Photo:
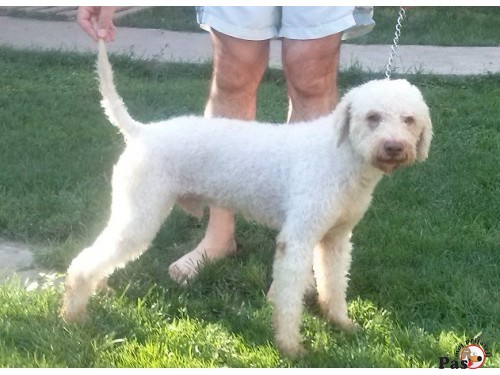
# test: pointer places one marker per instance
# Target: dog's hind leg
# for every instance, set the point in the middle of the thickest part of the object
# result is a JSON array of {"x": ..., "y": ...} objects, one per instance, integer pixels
[
  {"x": 332, "y": 260},
  {"x": 135, "y": 219}
]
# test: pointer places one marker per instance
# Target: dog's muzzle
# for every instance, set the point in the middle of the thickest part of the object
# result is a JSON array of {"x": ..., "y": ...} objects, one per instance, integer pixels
[{"x": 391, "y": 155}]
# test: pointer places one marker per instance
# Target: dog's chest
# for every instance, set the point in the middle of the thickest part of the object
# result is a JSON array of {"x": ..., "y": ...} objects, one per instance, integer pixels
[{"x": 350, "y": 205}]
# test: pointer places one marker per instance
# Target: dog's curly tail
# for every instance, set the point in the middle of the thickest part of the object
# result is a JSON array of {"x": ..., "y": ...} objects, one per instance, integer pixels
[{"x": 112, "y": 103}]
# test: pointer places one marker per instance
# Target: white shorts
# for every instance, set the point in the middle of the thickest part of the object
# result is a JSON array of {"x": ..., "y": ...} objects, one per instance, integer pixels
[{"x": 292, "y": 22}]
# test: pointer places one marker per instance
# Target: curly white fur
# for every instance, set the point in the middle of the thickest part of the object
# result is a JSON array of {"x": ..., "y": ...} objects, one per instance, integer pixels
[{"x": 311, "y": 181}]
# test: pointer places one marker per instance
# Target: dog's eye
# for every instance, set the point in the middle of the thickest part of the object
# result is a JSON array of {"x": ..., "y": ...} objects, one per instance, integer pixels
[
  {"x": 374, "y": 117},
  {"x": 409, "y": 120}
]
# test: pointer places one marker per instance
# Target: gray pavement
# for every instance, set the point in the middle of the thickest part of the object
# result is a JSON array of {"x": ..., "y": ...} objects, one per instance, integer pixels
[
  {"x": 18, "y": 257},
  {"x": 17, "y": 264},
  {"x": 165, "y": 45}
]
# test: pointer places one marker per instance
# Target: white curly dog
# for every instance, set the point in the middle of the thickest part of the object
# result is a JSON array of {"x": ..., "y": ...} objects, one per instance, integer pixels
[{"x": 311, "y": 181}]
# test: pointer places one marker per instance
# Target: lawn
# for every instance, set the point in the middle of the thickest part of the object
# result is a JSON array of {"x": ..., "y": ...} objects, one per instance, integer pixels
[
  {"x": 442, "y": 26},
  {"x": 424, "y": 276}
]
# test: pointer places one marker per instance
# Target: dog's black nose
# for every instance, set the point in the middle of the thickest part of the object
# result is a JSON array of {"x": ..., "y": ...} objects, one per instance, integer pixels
[{"x": 393, "y": 148}]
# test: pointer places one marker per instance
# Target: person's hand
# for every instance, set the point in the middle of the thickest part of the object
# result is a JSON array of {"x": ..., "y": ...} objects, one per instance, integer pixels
[{"x": 97, "y": 22}]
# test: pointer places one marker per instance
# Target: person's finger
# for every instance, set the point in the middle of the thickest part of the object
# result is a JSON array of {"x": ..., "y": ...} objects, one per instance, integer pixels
[
  {"x": 102, "y": 34},
  {"x": 107, "y": 34},
  {"x": 106, "y": 28},
  {"x": 84, "y": 19}
]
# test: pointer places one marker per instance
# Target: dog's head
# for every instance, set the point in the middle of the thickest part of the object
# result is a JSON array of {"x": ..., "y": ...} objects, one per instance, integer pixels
[{"x": 387, "y": 123}]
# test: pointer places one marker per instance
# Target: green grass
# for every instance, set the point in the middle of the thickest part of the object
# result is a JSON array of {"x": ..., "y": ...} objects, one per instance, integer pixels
[
  {"x": 424, "y": 276},
  {"x": 22, "y": 13},
  {"x": 178, "y": 18},
  {"x": 442, "y": 26}
]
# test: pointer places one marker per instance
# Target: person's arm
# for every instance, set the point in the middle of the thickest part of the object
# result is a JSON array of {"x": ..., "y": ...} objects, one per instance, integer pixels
[{"x": 97, "y": 22}]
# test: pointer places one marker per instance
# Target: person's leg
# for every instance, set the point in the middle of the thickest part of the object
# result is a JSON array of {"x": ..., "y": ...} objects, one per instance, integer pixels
[
  {"x": 238, "y": 67},
  {"x": 310, "y": 68}
]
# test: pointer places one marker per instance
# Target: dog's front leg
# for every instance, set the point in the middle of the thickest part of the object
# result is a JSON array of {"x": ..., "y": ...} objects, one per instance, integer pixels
[
  {"x": 292, "y": 265},
  {"x": 332, "y": 260}
]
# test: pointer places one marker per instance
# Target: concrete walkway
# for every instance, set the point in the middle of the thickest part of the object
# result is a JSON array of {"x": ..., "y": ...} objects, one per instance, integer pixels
[
  {"x": 16, "y": 260},
  {"x": 195, "y": 47}
]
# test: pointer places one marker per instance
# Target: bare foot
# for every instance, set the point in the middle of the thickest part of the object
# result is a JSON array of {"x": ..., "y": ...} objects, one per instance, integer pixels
[
  {"x": 188, "y": 266},
  {"x": 217, "y": 243}
]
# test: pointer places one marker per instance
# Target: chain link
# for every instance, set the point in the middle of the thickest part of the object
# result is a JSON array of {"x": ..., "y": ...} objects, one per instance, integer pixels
[{"x": 390, "y": 63}]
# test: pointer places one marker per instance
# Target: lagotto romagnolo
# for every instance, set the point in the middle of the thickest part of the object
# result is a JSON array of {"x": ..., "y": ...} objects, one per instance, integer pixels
[{"x": 311, "y": 181}]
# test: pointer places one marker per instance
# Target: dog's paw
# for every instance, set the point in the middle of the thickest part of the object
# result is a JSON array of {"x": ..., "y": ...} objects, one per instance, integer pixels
[
  {"x": 73, "y": 311},
  {"x": 74, "y": 316},
  {"x": 347, "y": 325},
  {"x": 104, "y": 288},
  {"x": 292, "y": 350}
]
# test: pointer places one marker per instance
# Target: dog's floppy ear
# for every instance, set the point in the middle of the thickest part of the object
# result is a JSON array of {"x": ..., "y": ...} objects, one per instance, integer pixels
[
  {"x": 424, "y": 143},
  {"x": 341, "y": 120}
]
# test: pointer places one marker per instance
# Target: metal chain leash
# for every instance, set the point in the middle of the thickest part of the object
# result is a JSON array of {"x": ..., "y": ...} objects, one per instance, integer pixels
[{"x": 390, "y": 63}]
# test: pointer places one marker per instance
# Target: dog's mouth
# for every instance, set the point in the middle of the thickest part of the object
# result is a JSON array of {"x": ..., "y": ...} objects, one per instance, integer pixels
[
  {"x": 388, "y": 165},
  {"x": 392, "y": 154}
]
